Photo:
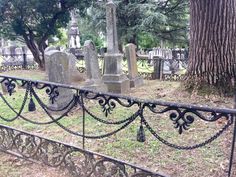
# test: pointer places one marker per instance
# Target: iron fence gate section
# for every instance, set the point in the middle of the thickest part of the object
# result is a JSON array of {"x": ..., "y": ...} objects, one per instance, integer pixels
[{"x": 53, "y": 153}]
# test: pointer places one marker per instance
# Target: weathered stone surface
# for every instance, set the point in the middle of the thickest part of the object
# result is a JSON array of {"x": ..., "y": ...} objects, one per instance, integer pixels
[
  {"x": 47, "y": 56},
  {"x": 51, "y": 48},
  {"x": 73, "y": 31},
  {"x": 135, "y": 79},
  {"x": 113, "y": 77},
  {"x": 58, "y": 66},
  {"x": 94, "y": 80},
  {"x": 4, "y": 87},
  {"x": 75, "y": 74},
  {"x": 111, "y": 21}
]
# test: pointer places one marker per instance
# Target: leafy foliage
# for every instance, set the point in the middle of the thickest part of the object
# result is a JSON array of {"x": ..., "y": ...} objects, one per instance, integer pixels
[
  {"x": 35, "y": 21},
  {"x": 160, "y": 19},
  {"x": 88, "y": 32}
]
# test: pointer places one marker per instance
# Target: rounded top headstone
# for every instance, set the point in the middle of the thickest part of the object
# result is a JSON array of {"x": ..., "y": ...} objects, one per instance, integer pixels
[
  {"x": 111, "y": 3},
  {"x": 90, "y": 44},
  {"x": 51, "y": 48}
]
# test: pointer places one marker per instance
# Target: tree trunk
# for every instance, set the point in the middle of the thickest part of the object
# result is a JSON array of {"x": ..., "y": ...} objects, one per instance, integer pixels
[
  {"x": 212, "y": 44},
  {"x": 36, "y": 52},
  {"x": 133, "y": 39},
  {"x": 42, "y": 46}
]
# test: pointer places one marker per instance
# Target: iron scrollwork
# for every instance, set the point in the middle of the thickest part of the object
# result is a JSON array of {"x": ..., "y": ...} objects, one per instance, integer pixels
[
  {"x": 29, "y": 146},
  {"x": 77, "y": 161}
]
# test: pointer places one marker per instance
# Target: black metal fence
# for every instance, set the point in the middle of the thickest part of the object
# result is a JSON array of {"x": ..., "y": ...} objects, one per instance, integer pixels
[
  {"x": 149, "y": 69},
  {"x": 10, "y": 62},
  {"x": 88, "y": 163}
]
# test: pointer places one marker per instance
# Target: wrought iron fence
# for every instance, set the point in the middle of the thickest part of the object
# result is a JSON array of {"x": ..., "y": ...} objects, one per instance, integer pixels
[
  {"x": 10, "y": 62},
  {"x": 55, "y": 154},
  {"x": 150, "y": 69}
]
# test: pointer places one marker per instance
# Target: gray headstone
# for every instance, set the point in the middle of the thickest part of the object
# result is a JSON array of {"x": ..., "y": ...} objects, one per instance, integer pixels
[
  {"x": 135, "y": 80},
  {"x": 75, "y": 74},
  {"x": 113, "y": 77},
  {"x": 94, "y": 80},
  {"x": 48, "y": 51},
  {"x": 4, "y": 87},
  {"x": 51, "y": 48},
  {"x": 112, "y": 40},
  {"x": 59, "y": 71}
]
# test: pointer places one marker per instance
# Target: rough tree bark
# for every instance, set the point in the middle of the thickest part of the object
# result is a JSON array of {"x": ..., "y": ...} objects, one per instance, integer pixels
[
  {"x": 37, "y": 49},
  {"x": 212, "y": 44}
]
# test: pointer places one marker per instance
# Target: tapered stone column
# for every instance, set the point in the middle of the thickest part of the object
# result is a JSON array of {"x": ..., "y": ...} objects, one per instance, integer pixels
[
  {"x": 114, "y": 78},
  {"x": 93, "y": 80},
  {"x": 135, "y": 79}
]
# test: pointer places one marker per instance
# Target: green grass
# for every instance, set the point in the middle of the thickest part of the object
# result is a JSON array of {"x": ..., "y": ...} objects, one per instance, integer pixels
[{"x": 152, "y": 154}]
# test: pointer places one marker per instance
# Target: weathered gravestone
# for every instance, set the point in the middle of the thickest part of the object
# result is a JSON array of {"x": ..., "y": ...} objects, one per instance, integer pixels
[
  {"x": 4, "y": 87},
  {"x": 94, "y": 80},
  {"x": 75, "y": 74},
  {"x": 58, "y": 68},
  {"x": 113, "y": 76},
  {"x": 135, "y": 79}
]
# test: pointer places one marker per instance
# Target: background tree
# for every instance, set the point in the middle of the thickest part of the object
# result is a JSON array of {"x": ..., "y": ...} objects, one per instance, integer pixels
[
  {"x": 89, "y": 32},
  {"x": 35, "y": 21},
  {"x": 144, "y": 19},
  {"x": 212, "y": 44}
]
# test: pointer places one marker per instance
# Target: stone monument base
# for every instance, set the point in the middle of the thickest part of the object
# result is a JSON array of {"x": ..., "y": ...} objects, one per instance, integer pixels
[
  {"x": 96, "y": 86},
  {"x": 136, "y": 82},
  {"x": 116, "y": 83}
]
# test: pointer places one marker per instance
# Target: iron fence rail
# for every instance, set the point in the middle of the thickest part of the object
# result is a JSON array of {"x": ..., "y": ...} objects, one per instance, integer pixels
[
  {"x": 183, "y": 116},
  {"x": 10, "y": 62},
  {"x": 57, "y": 154},
  {"x": 150, "y": 69}
]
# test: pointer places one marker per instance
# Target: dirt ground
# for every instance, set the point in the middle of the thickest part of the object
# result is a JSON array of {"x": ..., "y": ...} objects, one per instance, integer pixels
[{"x": 15, "y": 167}]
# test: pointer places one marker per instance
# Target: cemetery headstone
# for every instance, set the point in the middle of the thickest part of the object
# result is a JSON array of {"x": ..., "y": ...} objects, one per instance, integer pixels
[
  {"x": 4, "y": 87},
  {"x": 94, "y": 80},
  {"x": 135, "y": 79},
  {"x": 75, "y": 74},
  {"x": 59, "y": 71},
  {"x": 113, "y": 76},
  {"x": 47, "y": 56}
]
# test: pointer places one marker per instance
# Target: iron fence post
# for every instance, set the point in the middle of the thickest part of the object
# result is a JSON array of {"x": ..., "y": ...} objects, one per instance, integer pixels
[
  {"x": 157, "y": 68},
  {"x": 161, "y": 68},
  {"x": 24, "y": 61},
  {"x": 231, "y": 162},
  {"x": 83, "y": 110}
]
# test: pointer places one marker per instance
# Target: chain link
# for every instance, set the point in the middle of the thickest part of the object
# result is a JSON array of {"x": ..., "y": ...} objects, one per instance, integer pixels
[{"x": 211, "y": 139}]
